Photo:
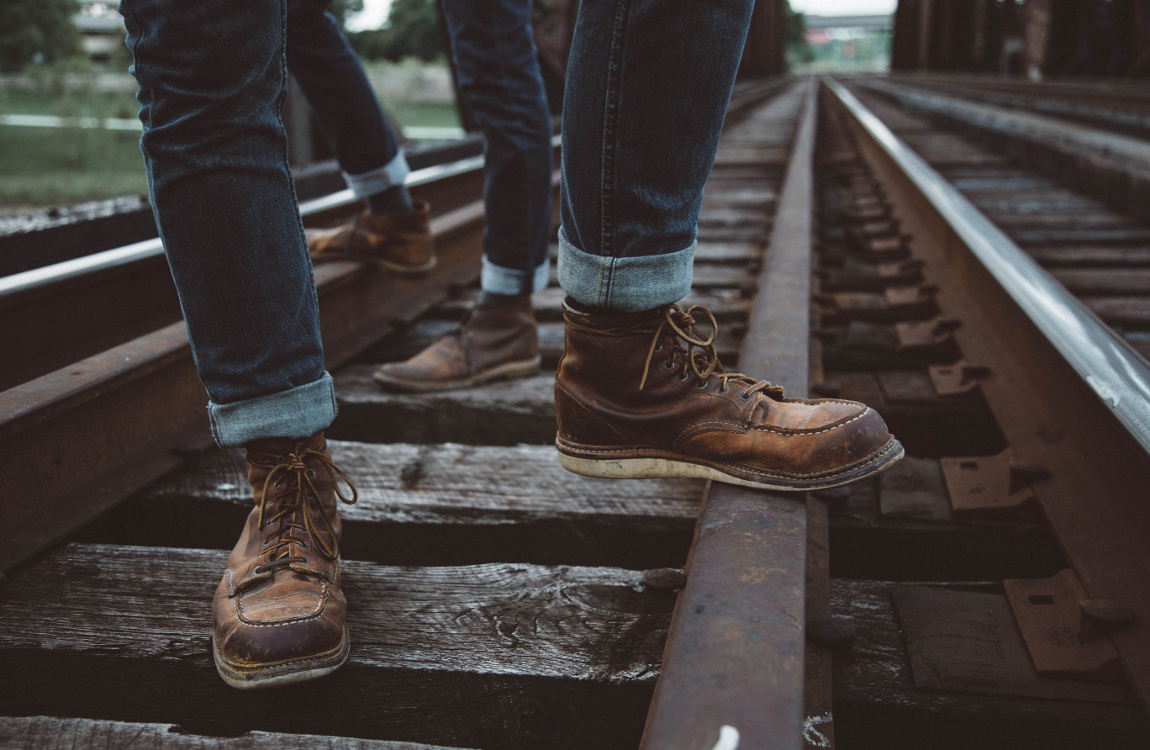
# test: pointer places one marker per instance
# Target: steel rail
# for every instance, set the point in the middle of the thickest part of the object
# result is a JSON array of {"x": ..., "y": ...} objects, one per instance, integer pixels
[
  {"x": 58, "y": 314},
  {"x": 732, "y": 672},
  {"x": 22, "y": 283},
  {"x": 1065, "y": 389},
  {"x": 1115, "y": 167},
  {"x": 1119, "y": 375},
  {"x": 82, "y": 438},
  {"x": 1023, "y": 124},
  {"x": 1129, "y": 113},
  {"x": 1103, "y": 91}
]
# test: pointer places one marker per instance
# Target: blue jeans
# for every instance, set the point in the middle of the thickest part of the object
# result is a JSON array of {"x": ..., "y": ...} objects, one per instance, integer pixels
[
  {"x": 342, "y": 100},
  {"x": 648, "y": 85},
  {"x": 499, "y": 78},
  {"x": 213, "y": 78}
]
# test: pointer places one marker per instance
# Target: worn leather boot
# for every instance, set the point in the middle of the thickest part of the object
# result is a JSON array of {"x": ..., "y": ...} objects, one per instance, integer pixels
[
  {"x": 399, "y": 242},
  {"x": 494, "y": 343},
  {"x": 644, "y": 395},
  {"x": 279, "y": 615}
]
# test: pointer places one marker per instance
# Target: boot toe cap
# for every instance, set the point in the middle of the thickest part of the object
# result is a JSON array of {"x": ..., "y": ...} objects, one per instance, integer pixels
[{"x": 258, "y": 635}]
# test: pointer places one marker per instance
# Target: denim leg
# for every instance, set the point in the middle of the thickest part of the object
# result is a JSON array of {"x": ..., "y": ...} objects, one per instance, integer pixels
[
  {"x": 342, "y": 100},
  {"x": 648, "y": 85},
  {"x": 499, "y": 77},
  {"x": 212, "y": 79}
]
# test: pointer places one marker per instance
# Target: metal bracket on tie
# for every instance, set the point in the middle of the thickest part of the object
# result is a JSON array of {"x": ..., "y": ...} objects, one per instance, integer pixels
[
  {"x": 993, "y": 486},
  {"x": 1062, "y": 627},
  {"x": 926, "y": 334},
  {"x": 957, "y": 379}
]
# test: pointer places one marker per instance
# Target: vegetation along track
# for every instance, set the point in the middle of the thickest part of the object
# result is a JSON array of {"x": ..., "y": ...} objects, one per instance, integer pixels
[{"x": 498, "y": 602}]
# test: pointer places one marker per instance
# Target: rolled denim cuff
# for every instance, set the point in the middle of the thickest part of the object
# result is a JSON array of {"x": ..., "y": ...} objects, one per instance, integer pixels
[
  {"x": 625, "y": 284},
  {"x": 511, "y": 281},
  {"x": 377, "y": 180},
  {"x": 296, "y": 413}
]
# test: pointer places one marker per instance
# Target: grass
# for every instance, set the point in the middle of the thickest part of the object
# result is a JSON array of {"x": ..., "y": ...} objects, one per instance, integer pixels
[
  {"x": 426, "y": 115},
  {"x": 59, "y": 166}
]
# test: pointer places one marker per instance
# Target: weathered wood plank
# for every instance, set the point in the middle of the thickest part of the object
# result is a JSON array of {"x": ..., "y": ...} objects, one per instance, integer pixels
[
  {"x": 417, "y": 337},
  {"x": 877, "y": 704},
  {"x": 501, "y": 413},
  {"x": 549, "y": 304},
  {"x": 869, "y": 545},
  {"x": 928, "y": 425},
  {"x": 492, "y": 656},
  {"x": 438, "y": 505},
  {"x": 51, "y": 733},
  {"x": 495, "y": 656}
]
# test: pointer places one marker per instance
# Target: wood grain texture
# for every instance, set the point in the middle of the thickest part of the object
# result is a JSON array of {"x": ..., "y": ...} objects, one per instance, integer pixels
[
  {"x": 438, "y": 504},
  {"x": 51, "y": 733},
  {"x": 502, "y": 413},
  {"x": 725, "y": 304},
  {"x": 492, "y": 656},
  {"x": 877, "y": 704}
]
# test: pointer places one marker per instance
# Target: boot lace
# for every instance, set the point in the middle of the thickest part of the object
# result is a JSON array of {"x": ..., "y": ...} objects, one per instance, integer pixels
[
  {"x": 699, "y": 357},
  {"x": 296, "y": 512}
]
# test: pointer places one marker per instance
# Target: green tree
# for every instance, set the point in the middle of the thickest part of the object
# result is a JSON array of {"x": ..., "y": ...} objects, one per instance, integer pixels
[
  {"x": 411, "y": 31},
  {"x": 341, "y": 9},
  {"x": 36, "y": 28},
  {"x": 795, "y": 38}
]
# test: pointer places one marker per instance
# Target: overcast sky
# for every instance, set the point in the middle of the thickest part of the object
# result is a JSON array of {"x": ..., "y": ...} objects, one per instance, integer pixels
[
  {"x": 375, "y": 11},
  {"x": 844, "y": 7}
]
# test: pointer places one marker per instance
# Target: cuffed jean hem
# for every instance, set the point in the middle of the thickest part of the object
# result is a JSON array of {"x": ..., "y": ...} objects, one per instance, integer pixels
[
  {"x": 377, "y": 180},
  {"x": 502, "y": 280},
  {"x": 626, "y": 284},
  {"x": 296, "y": 413}
]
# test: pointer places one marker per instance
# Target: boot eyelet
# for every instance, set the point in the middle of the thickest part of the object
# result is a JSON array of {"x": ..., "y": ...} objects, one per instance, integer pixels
[
  {"x": 744, "y": 397},
  {"x": 277, "y": 485},
  {"x": 683, "y": 378},
  {"x": 311, "y": 473},
  {"x": 702, "y": 385},
  {"x": 659, "y": 348},
  {"x": 304, "y": 545},
  {"x": 304, "y": 561},
  {"x": 668, "y": 365}
]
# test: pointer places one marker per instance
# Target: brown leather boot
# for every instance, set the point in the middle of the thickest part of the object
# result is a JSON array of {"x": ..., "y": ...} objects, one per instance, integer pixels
[
  {"x": 399, "y": 242},
  {"x": 279, "y": 615},
  {"x": 644, "y": 395},
  {"x": 494, "y": 343}
]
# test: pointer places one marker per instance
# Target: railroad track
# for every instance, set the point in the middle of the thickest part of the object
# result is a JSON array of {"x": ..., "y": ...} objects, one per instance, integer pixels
[{"x": 499, "y": 602}]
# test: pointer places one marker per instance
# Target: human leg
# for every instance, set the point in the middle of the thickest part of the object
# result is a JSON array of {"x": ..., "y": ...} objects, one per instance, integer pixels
[
  {"x": 640, "y": 391},
  {"x": 212, "y": 80},
  {"x": 499, "y": 78},
  {"x": 393, "y": 230}
]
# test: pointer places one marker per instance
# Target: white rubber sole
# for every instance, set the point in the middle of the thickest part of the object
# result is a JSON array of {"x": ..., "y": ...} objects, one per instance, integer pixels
[
  {"x": 506, "y": 371},
  {"x": 664, "y": 468},
  {"x": 280, "y": 674}
]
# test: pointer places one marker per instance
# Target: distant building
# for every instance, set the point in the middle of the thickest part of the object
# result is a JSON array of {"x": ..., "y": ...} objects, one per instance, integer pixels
[
  {"x": 101, "y": 30},
  {"x": 849, "y": 42}
]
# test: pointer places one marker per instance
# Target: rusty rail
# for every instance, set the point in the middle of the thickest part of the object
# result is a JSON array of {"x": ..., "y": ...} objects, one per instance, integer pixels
[
  {"x": 733, "y": 667},
  {"x": 1066, "y": 390},
  {"x": 85, "y": 436}
]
